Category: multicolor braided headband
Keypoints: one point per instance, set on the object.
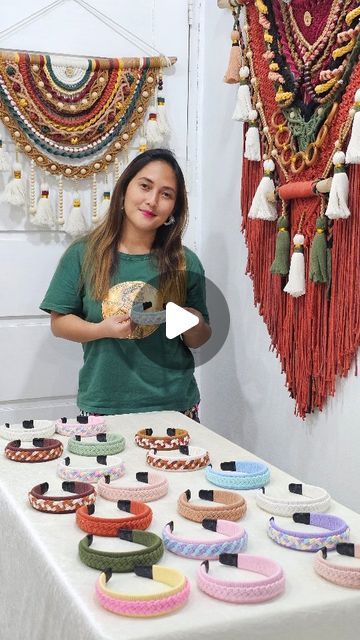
(140, 316)
(340, 574)
(233, 506)
(105, 445)
(239, 474)
(207, 549)
(146, 606)
(82, 426)
(27, 430)
(115, 469)
(184, 459)
(174, 439)
(123, 562)
(270, 586)
(140, 519)
(85, 494)
(44, 449)
(310, 498)
(310, 542)
(155, 487)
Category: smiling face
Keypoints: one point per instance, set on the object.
(150, 197)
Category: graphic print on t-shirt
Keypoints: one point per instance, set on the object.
(122, 296)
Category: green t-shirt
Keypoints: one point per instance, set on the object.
(117, 375)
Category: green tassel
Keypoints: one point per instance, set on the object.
(281, 263)
(319, 258)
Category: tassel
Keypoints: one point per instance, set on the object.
(252, 138)
(232, 73)
(319, 253)
(281, 263)
(153, 134)
(338, 196)
(261, 208)
(243, 100)
(44, 215)
(4, 158)
(75, 225)
(162, 118)
(60, 211)
(104, 205)
(15, 190)
(296, 284)
(353, 149)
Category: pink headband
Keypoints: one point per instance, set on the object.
(154, 486)
(82, 426)
(340, 574)
(243, 592)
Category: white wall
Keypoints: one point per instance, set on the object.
(243, 391)
(38, 373)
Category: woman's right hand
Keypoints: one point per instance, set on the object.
(116, 327)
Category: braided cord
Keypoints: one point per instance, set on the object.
(234, 480)
(41, 429)
(183, 464)
(95, 426)
(123, 562)
(243, 594)
(344, 576)
(203, 550)
(67, 505)
(157, 488)
(140, 519)
(35, 455)
(163, 443)
(311, 543)
(144, 608)
(90, 475)
(114, 444)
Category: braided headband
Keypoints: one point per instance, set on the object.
(146, 606)
(140, 519)
(155, 487)
(184, 459)
(233, 507)
(270, 586)
(139, 314)
(82, 426)
(340, 574)
(85, 494)
(105, 445)
(239, 474)
(174, 439)
(206, 549)
(123, 562)
(91, 474)
(310, 498)
(27, 430)
(44, 449)
(310, 542)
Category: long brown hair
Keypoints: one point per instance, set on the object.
(101, 254)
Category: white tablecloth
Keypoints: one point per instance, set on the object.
(48, 594)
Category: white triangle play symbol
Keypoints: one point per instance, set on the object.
(178, 320)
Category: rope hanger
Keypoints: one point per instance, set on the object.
(99, 15)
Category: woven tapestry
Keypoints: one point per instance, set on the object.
(297, 65)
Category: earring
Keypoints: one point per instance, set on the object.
(171, 220)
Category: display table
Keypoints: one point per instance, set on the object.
(47, 593)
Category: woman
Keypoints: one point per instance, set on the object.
(135, 254)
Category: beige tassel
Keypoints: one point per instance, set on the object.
(243, 104)
(44, 215)
(252, 138)
(296, 284)
(261, 208)
(153, 134)
(232, 73)
(162, 118)
(4, 158)
(338, 197)
(75, 224)
(15, 190)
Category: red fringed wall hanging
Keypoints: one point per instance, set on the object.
(299, 97)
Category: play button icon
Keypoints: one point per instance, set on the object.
(178, 320)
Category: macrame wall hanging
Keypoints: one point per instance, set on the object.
(74, 118)
(297, 66)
